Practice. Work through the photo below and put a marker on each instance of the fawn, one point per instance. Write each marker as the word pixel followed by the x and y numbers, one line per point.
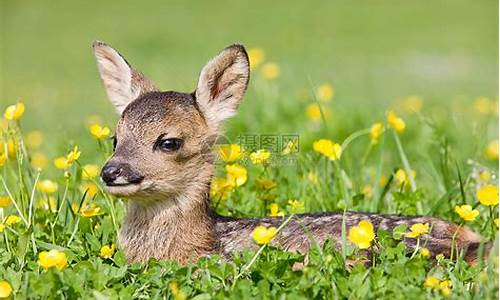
pixel 163 162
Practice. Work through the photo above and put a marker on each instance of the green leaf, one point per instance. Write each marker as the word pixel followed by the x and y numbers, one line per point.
pixel 399 231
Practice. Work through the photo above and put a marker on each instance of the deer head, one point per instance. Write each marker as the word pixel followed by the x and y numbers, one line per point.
pixel 163 140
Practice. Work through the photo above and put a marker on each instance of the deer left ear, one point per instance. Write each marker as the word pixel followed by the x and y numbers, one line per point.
pixel 222 84
pixel 123 84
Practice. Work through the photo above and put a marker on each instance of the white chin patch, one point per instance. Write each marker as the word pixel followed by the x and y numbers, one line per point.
pixel 123 190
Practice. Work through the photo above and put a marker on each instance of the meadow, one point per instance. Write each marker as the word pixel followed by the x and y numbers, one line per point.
pixel 379 108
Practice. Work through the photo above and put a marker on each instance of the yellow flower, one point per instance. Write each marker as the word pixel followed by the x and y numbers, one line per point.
pixel 47 186
pixel 62 163
pixel 221 188
pixel 466 212
pixel 34 139
pixel 89 211
pixel 362 235
pixel 425 252
pixel 496 221
pixel 413 104
pixel 230 152
pixel 417 230
pixel 313 112
pixel 383 181
pixel 376 131
pixel 396 122
pixel 444 286
pixel 12 220
pixel 73 155
pixel 431 281
pixel 75 208
pixel 488 195
pixel 90 171
pixel 3 158
pixel 11 146
pixel 445 283
pixel 491 151
pixel 402 178
pixel 90 188
pixel 295 205
pixel 265 184
pixel 255 56
pixel 312 177
pixel 14 112
pixel 274 211
pixel 176 292
pixel 446 291
pixel 434 282
pixel 5 201
pixel 325 92
pixel 236 174
pixel 5 289
pixel 270 71
pixel 39 160
pixel 260 156
pixel 106 251
pixel 99 132
pixel 263 235
pixel 328 148
pixel 52 258
pixel 367 190
pixel 483 105
pixel 2 227
pixel 440 257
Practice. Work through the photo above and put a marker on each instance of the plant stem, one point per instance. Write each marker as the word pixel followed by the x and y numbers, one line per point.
pixel 32 200
pixel 453 242
pixel 53 224
pixel 257 254
pixel 18 210
pixel 367 153
pixel 416 248
pixel 344 236
pixel 404 159
pixel 354 136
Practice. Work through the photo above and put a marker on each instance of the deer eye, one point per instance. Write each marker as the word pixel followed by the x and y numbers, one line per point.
pixel 168 144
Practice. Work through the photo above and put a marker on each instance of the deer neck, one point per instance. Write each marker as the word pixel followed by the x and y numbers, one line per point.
pixel 180 228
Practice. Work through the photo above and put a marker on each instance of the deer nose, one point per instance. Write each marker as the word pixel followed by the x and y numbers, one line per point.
pixel 110 173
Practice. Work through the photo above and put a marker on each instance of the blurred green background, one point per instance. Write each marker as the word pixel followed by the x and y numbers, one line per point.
pixel 373 52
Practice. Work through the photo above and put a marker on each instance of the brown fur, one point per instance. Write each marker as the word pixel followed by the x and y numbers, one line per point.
pixel 168 215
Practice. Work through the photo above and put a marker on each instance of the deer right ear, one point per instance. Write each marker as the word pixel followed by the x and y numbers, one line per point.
pixel 123 84
pixel 222 84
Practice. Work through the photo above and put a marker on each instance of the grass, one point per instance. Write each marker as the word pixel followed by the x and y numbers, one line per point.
pixel 374 54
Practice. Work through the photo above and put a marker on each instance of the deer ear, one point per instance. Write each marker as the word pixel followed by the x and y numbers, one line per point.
pixel 222 84
pixel 123 84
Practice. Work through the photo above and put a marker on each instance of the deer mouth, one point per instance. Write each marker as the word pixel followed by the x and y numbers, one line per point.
pixel 120 184
pixel 123 189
